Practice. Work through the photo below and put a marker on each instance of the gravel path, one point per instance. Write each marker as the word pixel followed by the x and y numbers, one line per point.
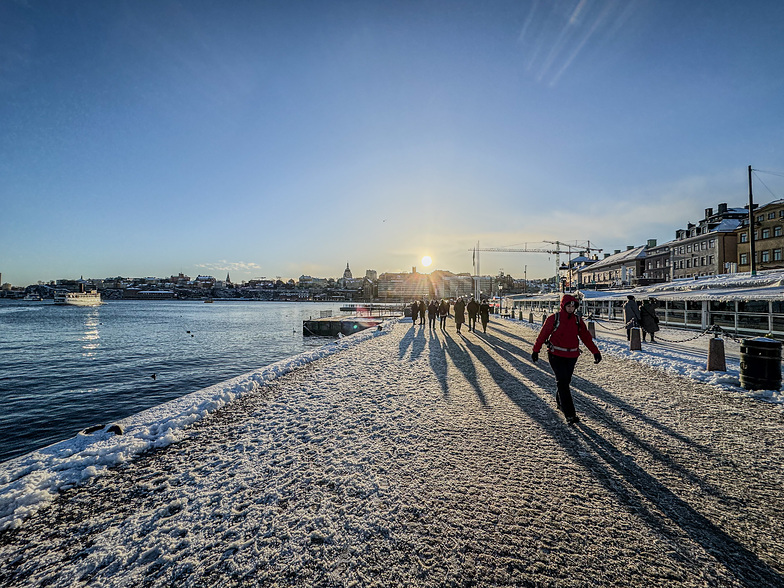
pixel 428 459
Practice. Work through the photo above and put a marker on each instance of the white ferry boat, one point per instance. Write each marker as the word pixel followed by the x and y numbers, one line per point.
pixel 92 298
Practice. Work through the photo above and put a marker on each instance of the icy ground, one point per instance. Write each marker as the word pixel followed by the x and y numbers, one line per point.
pixel 420 458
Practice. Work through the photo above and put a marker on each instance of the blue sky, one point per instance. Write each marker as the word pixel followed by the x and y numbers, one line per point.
pixel 283 138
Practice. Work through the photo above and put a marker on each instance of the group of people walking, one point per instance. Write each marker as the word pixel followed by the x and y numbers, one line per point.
pixel 440 310
pixel 641 315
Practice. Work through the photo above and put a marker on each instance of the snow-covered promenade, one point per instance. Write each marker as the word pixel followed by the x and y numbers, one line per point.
pixel 423 458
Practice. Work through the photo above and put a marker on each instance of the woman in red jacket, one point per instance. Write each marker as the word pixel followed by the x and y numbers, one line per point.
pixel 561 333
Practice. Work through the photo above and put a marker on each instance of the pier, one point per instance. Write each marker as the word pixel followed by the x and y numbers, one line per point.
pixel 362 317
pixel 420 457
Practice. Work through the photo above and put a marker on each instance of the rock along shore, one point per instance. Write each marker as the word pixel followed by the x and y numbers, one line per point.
pixel 424 458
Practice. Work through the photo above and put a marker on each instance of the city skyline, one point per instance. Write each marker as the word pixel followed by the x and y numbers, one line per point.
pixel 276 138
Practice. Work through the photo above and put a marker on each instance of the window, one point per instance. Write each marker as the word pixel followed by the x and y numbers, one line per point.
pixel 688 248
pixel 744 259
pixel 761 218
pixel 711 243
pixel 771 215
pixel 777 255
pixel 766 233
pixel 744 237
pixel 688 263
pixel 704 245
pixel 781 213
pixel 710 259
pixel 765 256
pixel 702 261
pixel 777 231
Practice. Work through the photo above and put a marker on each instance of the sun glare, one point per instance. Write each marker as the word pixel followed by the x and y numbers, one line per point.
pixel 426 261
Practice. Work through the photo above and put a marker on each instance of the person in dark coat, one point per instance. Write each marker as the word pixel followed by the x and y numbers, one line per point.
pixel 484 314
pixel 648 319
pixel 631 316
pixel 563 349
pixel 460 307
pixel 443 312
pixel 432 313
pixel 422 310
pixel 414 311
pixel 473 309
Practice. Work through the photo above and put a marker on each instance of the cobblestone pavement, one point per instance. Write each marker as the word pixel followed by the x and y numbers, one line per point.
pixel 426 458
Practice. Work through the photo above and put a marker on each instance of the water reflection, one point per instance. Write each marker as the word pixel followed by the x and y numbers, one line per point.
pixel 91 335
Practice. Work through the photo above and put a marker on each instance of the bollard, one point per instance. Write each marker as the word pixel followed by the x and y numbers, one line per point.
pixel 635 343
pixel 531 317
pixel 716 360
pixel 592 329
pixel 760 364
pixel 521 315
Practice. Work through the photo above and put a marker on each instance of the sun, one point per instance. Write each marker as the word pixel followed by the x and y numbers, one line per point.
pixel 426 261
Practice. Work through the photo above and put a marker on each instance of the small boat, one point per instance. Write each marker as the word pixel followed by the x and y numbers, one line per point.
pixel 208 300
pixel 92 298
pixel 32 297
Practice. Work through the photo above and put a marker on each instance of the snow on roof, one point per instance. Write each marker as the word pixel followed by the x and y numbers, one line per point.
pixel 766 285
pixel 727 225
pixel 622 257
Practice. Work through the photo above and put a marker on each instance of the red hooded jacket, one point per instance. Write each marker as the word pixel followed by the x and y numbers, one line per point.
pixel 565 338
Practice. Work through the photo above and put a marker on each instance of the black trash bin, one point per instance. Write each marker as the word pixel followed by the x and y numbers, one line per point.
pixel 760 364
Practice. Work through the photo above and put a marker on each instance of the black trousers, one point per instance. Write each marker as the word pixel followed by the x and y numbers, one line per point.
pixel 563 368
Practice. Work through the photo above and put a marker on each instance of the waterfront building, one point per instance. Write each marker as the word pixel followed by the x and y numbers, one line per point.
pixel 657 263
pixel 616 270
pixel 768 238
pixel 709 246
pixel 403 287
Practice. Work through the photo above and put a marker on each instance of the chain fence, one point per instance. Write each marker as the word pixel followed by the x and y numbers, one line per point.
pixel 715 330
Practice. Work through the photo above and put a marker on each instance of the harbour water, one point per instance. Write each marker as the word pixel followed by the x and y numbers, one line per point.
pixel 63 369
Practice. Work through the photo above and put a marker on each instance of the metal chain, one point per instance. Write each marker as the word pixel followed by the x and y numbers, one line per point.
pixel 623 326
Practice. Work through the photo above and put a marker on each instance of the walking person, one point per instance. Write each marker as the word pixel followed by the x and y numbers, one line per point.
pixel 443 312
pixel 414 311
pixel 473 308
pixel 631 316
pixel 460 307
pixel 422 309
pixel 484 314
pixel 648 319
pixel 432 313
pixel 562 333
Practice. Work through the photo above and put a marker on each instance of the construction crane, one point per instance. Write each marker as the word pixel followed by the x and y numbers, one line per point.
pixel 578 246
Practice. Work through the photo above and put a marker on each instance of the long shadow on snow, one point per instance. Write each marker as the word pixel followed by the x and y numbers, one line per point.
pixel 463 362
pixel 437 359
pixel 408 341
pixel 591 391
pixel 744 564
pixel 604 395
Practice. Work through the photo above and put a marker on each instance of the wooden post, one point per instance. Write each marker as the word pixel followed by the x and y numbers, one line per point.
pixel 592 329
